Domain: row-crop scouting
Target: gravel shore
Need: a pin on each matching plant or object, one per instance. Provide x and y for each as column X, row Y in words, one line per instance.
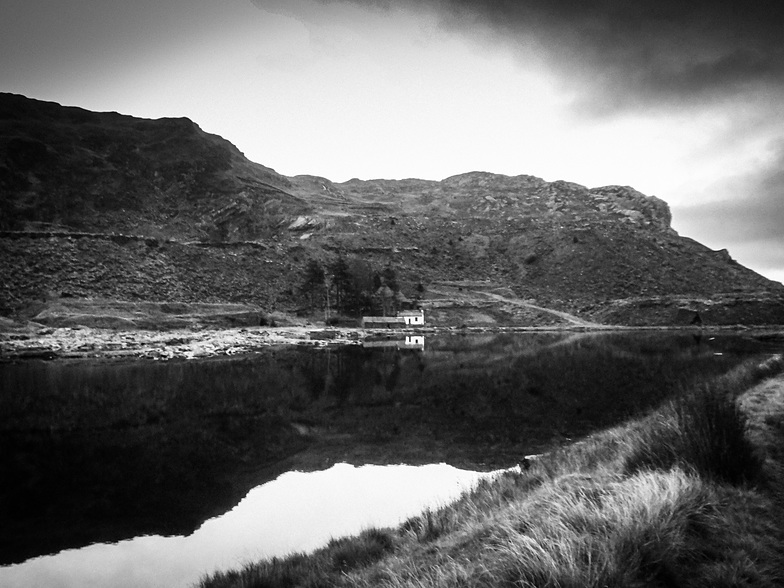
column 24, row 341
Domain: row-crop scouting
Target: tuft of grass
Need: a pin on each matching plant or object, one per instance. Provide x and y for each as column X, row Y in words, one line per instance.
column 704, row 430
column 650, row 529
column 324, row 567
column 430, row 525
column 714, row 437
column 477, row 504
column 370, row 546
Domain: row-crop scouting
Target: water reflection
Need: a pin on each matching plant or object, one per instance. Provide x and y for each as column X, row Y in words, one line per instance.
column 94, row 452
column 296, row 512
column 416, row 342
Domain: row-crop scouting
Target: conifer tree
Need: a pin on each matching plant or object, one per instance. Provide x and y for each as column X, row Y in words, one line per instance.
column 314, row 282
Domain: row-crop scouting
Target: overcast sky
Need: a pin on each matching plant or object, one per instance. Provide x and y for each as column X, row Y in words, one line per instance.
column 682, row 100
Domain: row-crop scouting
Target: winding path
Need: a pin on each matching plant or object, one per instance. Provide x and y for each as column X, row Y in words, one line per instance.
column 575, row 320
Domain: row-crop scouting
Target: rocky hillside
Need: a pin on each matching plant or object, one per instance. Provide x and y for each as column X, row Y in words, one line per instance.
column 102, row 204
column 75, row 169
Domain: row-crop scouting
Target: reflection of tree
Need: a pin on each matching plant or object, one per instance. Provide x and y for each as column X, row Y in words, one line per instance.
column 345, row 377
column 353, row 373
column 317, row 373
column 394, row 375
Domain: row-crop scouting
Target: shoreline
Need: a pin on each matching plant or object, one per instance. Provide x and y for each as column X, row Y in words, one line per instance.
column 30, row 340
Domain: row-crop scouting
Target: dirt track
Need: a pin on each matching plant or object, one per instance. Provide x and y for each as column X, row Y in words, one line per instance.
column 570, row 318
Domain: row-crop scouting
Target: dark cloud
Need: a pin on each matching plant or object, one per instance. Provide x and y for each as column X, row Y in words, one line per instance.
column 631, row 53
column 626, row 53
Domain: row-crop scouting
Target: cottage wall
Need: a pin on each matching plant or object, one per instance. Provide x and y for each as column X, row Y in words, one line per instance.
column 382, row 322
column 413, row 317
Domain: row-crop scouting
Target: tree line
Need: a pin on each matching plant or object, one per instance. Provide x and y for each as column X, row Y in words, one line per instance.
column 353, row 287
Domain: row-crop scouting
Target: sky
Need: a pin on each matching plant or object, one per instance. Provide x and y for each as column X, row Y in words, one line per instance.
column 681, row 100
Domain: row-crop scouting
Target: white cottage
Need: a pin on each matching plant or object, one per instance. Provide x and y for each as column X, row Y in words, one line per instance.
column 414, row 318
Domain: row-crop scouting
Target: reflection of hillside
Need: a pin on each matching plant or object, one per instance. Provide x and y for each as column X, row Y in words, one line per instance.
column 505, row 384
column 490, row 349
column 407, row 342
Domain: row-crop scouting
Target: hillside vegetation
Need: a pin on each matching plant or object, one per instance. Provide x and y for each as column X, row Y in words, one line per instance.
column 102, row 204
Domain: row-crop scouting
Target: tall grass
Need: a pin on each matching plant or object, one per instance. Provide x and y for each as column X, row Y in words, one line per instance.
column 673, row 499
column 649, row 529
column 325, row 567
column 704, row 430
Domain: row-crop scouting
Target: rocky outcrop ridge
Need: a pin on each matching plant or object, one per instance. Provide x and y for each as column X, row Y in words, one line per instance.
column 482, row 193
column 634, row 205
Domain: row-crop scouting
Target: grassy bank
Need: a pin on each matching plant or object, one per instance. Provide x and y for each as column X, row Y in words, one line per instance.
column 690, row 495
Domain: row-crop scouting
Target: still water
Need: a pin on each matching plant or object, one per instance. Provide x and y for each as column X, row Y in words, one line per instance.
column 142, row 473
column 296, row 512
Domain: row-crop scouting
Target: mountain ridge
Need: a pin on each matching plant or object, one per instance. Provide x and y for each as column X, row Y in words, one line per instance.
column 561, row 244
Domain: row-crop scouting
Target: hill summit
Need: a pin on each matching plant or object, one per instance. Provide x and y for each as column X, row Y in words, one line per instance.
column 111, row 206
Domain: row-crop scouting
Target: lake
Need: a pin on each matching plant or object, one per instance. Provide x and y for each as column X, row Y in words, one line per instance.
column 296, row 512
column 158, row 471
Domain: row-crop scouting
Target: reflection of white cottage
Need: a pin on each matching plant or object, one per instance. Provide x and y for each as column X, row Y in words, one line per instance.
column 413, row 317
column 412, row 342
column 415, row 341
